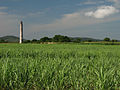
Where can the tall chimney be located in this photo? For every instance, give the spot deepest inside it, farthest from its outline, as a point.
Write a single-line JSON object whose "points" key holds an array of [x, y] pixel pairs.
{"points": [[21, 32]]}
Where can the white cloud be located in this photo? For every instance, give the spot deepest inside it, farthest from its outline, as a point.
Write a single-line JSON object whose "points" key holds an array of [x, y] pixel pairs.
{"points": [[102, 12]]}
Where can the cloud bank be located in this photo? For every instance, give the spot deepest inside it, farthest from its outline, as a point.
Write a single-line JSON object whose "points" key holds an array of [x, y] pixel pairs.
{"points": [[116, 3], [91, 2], [3, 8], [70, 21], [102, 12]]}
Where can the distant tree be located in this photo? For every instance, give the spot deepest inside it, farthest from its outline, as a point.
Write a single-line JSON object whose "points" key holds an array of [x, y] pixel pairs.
{"points": [[66, 39], [45, 39], [34, 40], [107, 39], [114, 40], [2, 41], [57, 38], [78, 40], [89, 40], [27, 41], [60, 38]]}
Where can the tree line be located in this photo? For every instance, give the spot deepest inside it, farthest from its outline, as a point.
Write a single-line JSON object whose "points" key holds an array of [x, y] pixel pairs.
{"points": [[56, 38], [61, 38]]}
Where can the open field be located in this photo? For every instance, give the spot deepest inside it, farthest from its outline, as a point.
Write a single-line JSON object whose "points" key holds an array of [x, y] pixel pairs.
{"points": [[59, 66]]}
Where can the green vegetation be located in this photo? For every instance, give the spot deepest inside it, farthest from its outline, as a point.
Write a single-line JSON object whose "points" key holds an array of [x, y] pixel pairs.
{"points": [[107, 39], [56, 38], [59, 67], [9, 39], [46, 39], [59, 39]]}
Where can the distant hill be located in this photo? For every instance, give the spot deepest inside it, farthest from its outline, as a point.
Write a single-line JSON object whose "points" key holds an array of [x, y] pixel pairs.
{"points": [[84, 39], [10, 39]]}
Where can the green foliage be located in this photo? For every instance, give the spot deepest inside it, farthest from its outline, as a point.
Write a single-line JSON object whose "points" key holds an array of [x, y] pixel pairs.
{"points": [[107, 39], [114, 40], [89, 40], [35, 41], [78, 40], [2, 41], [46, 39], [59, 67], [56, 38], [27, 41], [60, 38]]}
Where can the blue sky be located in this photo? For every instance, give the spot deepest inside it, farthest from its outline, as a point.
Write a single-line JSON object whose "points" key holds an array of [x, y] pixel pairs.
{"points": [[76, 18]]}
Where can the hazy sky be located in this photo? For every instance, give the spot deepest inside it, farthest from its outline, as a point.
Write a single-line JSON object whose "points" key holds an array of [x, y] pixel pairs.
{"points": [[77, 18]]}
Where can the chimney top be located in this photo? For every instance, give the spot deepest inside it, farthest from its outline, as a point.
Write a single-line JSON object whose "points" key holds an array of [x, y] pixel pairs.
{"points": [[21, 22]]}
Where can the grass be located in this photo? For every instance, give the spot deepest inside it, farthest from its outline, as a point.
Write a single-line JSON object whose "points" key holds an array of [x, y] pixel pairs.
{"points": [[59, 67]]}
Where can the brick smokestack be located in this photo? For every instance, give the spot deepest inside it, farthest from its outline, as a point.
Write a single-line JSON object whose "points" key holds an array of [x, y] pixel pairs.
{"points": [[21, 32]]}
